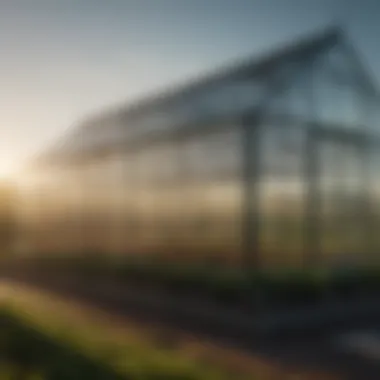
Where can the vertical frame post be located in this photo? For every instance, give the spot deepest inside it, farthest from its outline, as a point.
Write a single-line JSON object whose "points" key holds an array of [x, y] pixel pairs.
{"points": [[312, 236], [251, 153], [313, 201]]}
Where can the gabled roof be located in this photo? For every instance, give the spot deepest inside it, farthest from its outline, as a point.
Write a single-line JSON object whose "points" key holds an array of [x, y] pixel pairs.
{"points": [[251, 67]]}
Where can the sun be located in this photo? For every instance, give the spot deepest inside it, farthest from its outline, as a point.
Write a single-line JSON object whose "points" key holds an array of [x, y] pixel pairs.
{"points": [[7, 171]]}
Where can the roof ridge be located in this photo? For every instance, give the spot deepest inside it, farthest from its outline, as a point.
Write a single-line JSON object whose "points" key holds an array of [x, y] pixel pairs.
{"points": [[214, 75]]}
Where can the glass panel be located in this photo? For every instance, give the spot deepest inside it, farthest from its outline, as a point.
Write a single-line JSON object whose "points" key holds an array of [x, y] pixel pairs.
{"points": [[338, 101], [342, 68], [214, 156], [343, 222], [337, 105], [210, 196], [282, 195], [372, 116], [294, 101], [224, 100]]}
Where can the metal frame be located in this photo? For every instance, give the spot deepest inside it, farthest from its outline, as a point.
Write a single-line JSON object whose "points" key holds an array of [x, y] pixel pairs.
{"points": [[303, 57]]}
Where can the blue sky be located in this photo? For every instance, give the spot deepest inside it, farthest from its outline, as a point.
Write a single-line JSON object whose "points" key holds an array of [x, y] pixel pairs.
{"points": [[63, 59]]}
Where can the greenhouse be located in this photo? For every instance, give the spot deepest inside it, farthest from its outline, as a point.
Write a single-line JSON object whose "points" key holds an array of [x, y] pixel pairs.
{"points": [[270, 162]]}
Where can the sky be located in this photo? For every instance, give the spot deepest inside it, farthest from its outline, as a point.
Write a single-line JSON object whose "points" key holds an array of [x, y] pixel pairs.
{"points": [[62, 60]]}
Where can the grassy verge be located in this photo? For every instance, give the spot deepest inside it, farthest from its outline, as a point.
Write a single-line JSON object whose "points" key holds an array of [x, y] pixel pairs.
{"points": [[38, 341], [45, 337]]}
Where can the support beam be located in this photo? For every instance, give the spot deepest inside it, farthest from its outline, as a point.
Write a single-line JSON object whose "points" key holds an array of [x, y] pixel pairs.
{"points": [[251, 193]]}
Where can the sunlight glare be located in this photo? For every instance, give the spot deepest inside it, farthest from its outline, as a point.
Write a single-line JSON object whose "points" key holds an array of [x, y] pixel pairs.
{"points": [[7, 171]]}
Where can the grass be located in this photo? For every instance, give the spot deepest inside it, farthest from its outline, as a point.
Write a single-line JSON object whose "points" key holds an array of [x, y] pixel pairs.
{"points": [[38, 342], [44, 337]]}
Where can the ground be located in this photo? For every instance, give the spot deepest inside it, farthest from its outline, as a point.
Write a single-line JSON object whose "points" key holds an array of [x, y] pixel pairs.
{"points": [[332, 353]]}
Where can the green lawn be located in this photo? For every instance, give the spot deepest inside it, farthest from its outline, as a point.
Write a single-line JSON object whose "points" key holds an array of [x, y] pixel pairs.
{"points": [[38, 341], [47, 337]]}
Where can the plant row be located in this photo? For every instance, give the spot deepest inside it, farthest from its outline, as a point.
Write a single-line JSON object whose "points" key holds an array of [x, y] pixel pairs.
{"points": [[233, 286]]}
